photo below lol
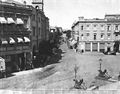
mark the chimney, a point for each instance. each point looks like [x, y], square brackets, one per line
[81, 18]
[24, 2]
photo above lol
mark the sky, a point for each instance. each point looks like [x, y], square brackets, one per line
[63, 13]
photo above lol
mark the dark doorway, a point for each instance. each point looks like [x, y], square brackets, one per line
[108, 49]
[116, 46]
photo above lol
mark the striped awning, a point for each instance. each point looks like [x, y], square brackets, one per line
[3, 20]
[4, 41]
[10, 20]
[11, 40]
[20, 40]
[26, 39]
[19, 21]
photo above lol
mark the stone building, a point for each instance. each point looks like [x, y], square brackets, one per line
[39, 25]
[98, 34]
[15, 41]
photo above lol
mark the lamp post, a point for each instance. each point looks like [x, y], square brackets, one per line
[100, 62]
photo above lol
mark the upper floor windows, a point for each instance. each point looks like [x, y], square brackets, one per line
[108, 35]
[116, 27]
[87, 25]
[82, 27]
[88, 34]
[102, 25]
[102, 35]
[82, 37]
[108, 28]
[95, 25]
[95, 36]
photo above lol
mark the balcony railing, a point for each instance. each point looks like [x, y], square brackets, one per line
[10, 49]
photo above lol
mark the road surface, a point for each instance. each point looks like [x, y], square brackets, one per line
[59, 77]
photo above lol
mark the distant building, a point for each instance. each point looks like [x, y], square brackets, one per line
[98, 34]
[54, 31]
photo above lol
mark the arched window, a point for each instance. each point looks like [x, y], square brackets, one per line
[37, 7]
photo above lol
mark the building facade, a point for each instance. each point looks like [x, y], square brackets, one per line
[98, 34]
[39, 25]
[15, 40]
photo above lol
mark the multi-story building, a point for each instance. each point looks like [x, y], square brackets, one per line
[23, 27]
[39, 25]
[15, 35]
[98, 34]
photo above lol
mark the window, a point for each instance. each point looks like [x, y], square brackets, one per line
[25, 23]
[102, 25]
[88, 34]
[95, 36]
[33, 17]
[116, 27]
[82, 36]
[108, 27]
[102, 36]
[95, 25]
[108, 36]
[82, 27]
[88, 25]
[33, 31]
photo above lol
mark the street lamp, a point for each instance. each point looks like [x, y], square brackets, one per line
[100, 62]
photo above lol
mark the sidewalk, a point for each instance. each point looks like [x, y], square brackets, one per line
[27, 71]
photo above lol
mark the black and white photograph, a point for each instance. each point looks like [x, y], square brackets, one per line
[59, 46]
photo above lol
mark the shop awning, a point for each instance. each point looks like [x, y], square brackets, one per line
[3, 20]
[4, 41]
[26, 39]
[19, 21]
[12, 41]
[10, 20]
[20, 40]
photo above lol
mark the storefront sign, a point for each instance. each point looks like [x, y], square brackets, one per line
[10, 48]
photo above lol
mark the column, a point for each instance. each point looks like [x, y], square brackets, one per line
[91, 46]
[98, 47]
[105, 47]
[84, 46]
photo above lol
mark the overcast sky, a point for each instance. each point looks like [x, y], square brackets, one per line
[64, 12]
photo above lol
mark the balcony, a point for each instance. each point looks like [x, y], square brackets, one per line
[14, 45]
[13, 49]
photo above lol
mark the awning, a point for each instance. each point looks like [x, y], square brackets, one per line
[20, 40]
[3, 20]
[19, 21]
[12, 41]
[26, 39]
[10, 20]
[4, 41]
